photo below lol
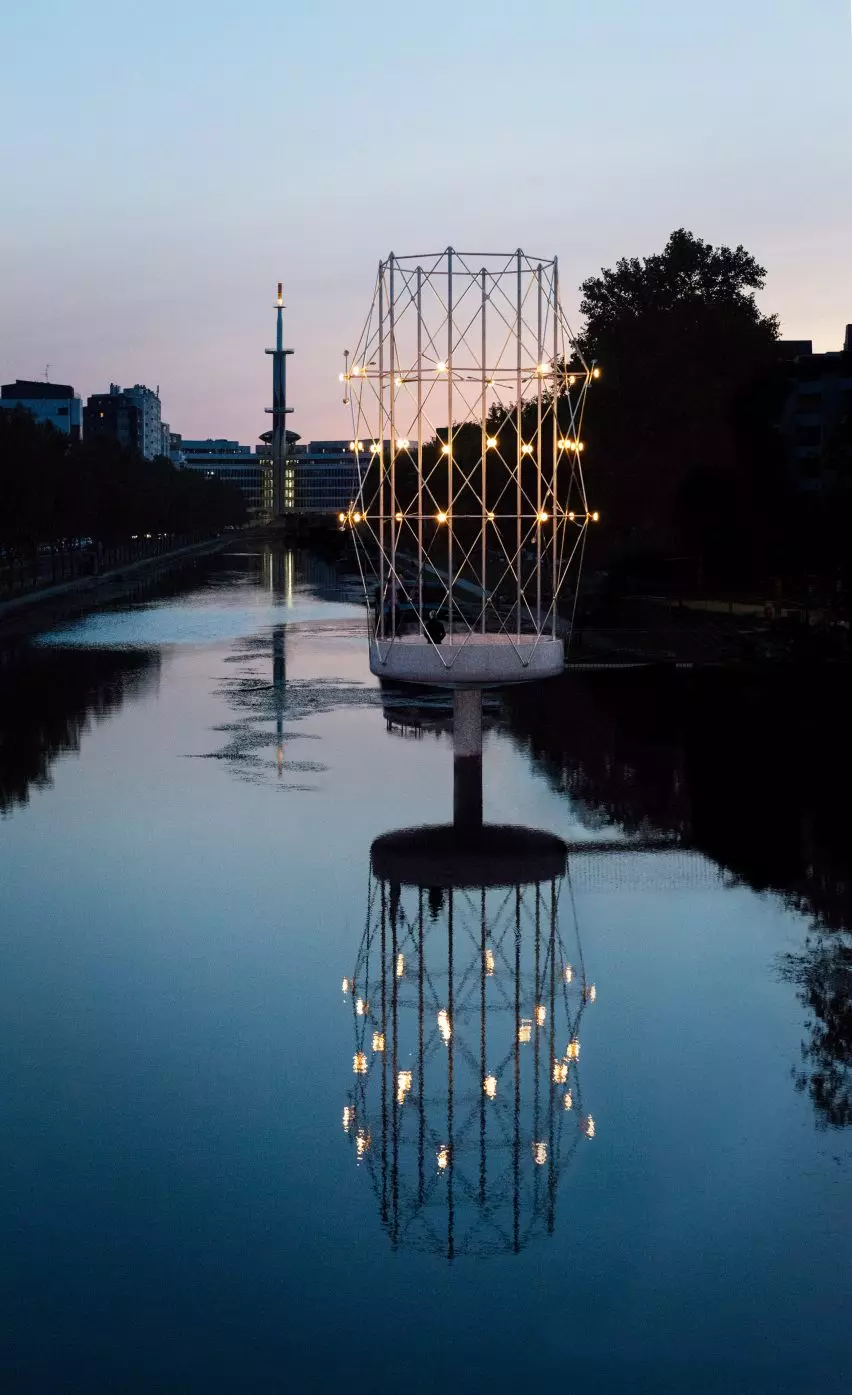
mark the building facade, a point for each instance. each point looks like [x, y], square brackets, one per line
[148, 402]
[229, 461]
[54, 403]
[113, 416]
[819, 404]
[325, 476]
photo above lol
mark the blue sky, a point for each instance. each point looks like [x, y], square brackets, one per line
[165, 164]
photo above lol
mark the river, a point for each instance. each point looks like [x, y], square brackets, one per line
[223, 1169]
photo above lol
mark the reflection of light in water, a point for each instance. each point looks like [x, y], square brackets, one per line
[360, 1007]
[569, 973]
[348, 1116]
[359, 1063]
[470, 1086]
[346, 985]
[378, 1041]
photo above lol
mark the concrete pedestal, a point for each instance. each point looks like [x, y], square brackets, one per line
[467, 757]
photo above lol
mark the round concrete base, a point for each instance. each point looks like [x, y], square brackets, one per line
[472, 660]
[446, 856]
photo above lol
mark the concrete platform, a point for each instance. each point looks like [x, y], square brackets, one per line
[474, 660]
[444, 856]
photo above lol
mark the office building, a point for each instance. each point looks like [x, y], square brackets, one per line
[113, 416]
[325, 476]
[148, 402]
[229, 461]
[818, 405]
[54, 403]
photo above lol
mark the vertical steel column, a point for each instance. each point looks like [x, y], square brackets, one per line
[484, 454]
[394, 1077]
[381, 445]
[536, 1048]
[420, 447]
[519, 443]
[554, 503]
[550, 1160]
[482, 1061]
[421, 1085]
[450, 1214]
[392, 423]
[540, 384]
[384, 1060]
[516, 1138]
[450, 441]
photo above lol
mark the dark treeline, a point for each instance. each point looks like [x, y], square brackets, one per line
[48, 700]
[59, 493]
[754, 772]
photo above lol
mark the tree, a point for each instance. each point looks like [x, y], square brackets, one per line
[683, 415]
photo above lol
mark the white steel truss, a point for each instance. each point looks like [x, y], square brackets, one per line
[468, 392]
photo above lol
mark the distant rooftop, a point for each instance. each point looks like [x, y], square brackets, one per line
[29, 390]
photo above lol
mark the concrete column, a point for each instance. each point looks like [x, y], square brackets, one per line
[467, 757]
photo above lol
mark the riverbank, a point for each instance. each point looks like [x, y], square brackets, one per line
[40, 608]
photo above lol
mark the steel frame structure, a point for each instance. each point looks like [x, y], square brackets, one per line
[466, 379]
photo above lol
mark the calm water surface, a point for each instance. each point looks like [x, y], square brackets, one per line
[213, 1178]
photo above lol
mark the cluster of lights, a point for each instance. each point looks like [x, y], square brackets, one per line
[566, 443]
[353, 516]
[403, 443]
[526, 448]
[356, 445]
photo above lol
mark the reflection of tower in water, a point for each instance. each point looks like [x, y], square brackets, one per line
[279, 687]
[465, 1105]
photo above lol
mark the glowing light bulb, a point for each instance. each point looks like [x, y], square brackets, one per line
[490, 516]
[440, 367]
[525, 1031]
[356, 518]
[374, 447]
[489, 1085]
[359, 1063]
[563, 443]
[446, 449]
[596, 372]
[341, 518]
[398, 517]
[596, 518]
[491, 443]
[351, 445]
[540, 1154]
[571, 381]
[378, 1041]
[571, 517]
[526, 448]
[540, 1015]
[441, 517]
[542, 368]
[543, 516]
[403, 443]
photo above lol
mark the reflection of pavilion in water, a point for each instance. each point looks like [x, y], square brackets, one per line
[467, 1002]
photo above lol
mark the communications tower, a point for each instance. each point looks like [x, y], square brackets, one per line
[282, 492]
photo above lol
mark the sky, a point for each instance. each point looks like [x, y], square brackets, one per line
[165, 164]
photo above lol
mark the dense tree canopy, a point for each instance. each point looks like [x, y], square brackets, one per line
[53, 490]
[682, 422]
